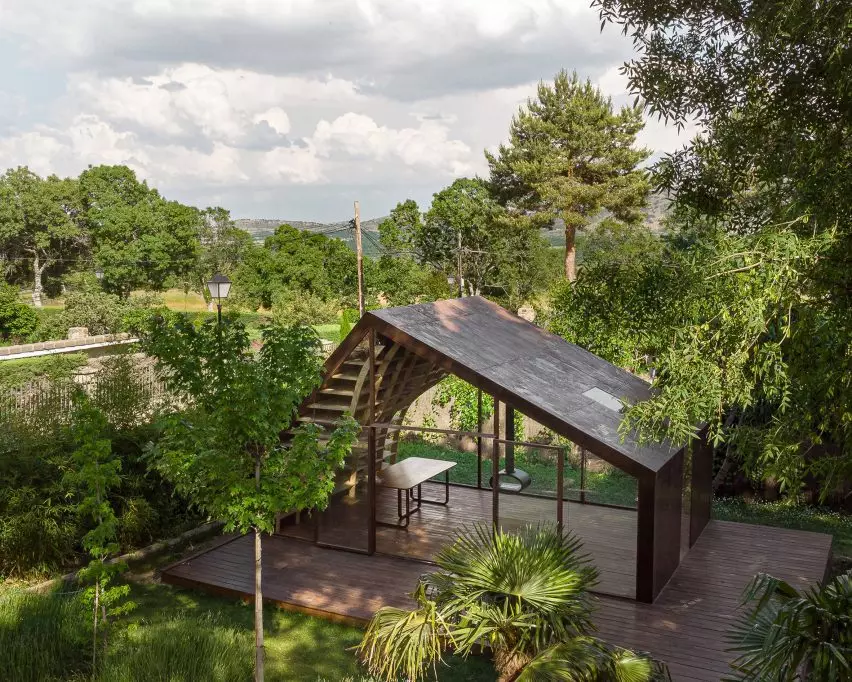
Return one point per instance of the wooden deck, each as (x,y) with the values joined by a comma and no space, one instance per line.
(685,627)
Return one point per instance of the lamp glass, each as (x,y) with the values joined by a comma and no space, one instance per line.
(219,286)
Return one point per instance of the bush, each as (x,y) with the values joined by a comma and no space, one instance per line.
(42,637)
(18,321)
(37,534)
(183,649)
(14,373)
(291,306)
(99,312)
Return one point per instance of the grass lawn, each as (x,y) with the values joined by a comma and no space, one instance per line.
(298,647)
(612,487)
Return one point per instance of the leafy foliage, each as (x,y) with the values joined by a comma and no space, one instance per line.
(290,306)
(519,594)
(766,185)
(788,635)
(139,239)
(17,320)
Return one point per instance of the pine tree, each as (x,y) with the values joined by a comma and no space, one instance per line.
(570,155)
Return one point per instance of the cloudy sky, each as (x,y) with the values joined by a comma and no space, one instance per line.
(287,108)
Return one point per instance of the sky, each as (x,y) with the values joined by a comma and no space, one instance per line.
(289,108)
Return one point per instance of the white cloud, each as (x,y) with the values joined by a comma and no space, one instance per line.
(361,137)
(276,118)
(300,102)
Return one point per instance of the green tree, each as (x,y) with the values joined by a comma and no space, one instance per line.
(789,635)
(766,185)
(569,156)
(524,595)
(225,450)
(402,275)
(460,234)
(139,239)
(39,221)
(96,471)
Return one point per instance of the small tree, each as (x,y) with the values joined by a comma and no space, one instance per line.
(225,450)
(570,155)
(95,472)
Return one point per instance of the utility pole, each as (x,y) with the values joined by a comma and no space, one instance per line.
(459,265)
(360,252)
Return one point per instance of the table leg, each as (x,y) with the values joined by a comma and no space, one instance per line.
(419,499)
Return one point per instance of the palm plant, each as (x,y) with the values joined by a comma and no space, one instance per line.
(790,635)
(523,595)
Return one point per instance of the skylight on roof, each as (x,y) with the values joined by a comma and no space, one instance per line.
(603,398)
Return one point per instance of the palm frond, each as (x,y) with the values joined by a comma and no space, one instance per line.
(400,643)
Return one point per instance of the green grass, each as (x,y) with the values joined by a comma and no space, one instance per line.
(789,515)
(298,647)
(613,487)
(329,332)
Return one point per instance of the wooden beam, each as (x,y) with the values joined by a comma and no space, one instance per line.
(495,469)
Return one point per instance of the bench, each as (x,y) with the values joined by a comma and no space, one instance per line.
(409,474)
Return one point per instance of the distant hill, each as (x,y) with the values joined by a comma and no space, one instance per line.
(261,228)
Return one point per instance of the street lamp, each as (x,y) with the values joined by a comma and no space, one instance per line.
(219,287)
(99,273)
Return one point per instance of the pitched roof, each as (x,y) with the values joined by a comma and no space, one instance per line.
(562,386)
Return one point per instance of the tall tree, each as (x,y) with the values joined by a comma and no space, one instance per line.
(222,247)
(569,156)
(39,221)
(766,184)
(225,450)
(138,238)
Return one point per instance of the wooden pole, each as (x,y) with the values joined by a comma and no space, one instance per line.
(360,253)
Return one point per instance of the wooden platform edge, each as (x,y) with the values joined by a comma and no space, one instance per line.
(248,597)
(216,544)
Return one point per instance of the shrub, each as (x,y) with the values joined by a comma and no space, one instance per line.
(292,306)
(99,312)
(14,373)
(42,637)
(37,534)
(17,320)
(182,649)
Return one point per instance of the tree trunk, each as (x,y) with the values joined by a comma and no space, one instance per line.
(38,271)
(95,628)
(509,665)
(258,610)
(570,252)
(258,591)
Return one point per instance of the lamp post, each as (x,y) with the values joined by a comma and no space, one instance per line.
(99,273)
(219,287)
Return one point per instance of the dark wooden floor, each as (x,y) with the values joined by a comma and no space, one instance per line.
(685,627)
(608,535)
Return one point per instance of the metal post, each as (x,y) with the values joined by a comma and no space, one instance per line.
(219,313)
(560,487)
(495,469)
(371,446)
(479,438)
(582,475)
(510,436)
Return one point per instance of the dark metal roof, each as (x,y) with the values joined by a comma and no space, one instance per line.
(560,385)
